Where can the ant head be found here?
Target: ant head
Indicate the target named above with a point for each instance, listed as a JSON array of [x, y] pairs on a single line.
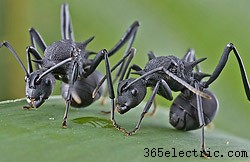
[[131, 96], [37, 91]]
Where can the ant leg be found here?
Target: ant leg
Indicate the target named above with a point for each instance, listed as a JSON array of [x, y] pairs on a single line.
[[96, 61], [113, 68], [221, 65], [121, 73], [201, 121], [154, 109], [166, 92], [151, 56], [128, 36], [36, 55], [35, 37], [137, 70], [145, 110], [111, 93], [66, 25], [32, 50], [68, 99], [126, 64]]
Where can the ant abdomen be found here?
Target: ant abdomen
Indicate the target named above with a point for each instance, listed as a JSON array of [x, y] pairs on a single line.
[[82, 90], [183, 112]]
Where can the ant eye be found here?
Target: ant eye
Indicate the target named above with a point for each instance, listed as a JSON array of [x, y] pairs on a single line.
[[134, 92], [48, 82], [26, 79]]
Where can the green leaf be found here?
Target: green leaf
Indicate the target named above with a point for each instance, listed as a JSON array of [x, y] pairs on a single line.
[[36, 135]]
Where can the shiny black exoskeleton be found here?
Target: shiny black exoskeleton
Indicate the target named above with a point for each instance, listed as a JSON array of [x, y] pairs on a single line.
[[165, 74], [193, 108], [67, 61], [183, 114], [82, 90]]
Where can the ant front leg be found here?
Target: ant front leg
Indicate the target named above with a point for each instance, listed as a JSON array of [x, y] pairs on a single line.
[[151, 56], [122, 71], [145, 110], [36, 55], [35, 37], [152, 113], [110, 83], [111, 94], [73, 78], [166, 92]]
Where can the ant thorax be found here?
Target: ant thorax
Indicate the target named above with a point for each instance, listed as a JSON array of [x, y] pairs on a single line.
[[60, 50], [172, 64]]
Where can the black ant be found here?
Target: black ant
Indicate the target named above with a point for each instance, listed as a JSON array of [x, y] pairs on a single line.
[[67, 61], [193, 108]]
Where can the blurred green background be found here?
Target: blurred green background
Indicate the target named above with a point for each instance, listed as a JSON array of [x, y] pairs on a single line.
[[167, 27]]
